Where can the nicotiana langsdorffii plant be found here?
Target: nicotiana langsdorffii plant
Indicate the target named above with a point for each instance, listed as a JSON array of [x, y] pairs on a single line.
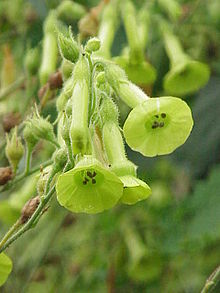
[[89, 170]]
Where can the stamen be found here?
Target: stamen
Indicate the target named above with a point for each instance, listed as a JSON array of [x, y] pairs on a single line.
[[163, 115], [89, 174]]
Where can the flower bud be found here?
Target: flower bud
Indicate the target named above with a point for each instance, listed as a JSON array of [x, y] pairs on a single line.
[[69, 48], [6, 174], [92, 45], [109, 111], [32, 60], [41, 183], [29, 208], [41, 128], [65, 130], [60, 158], [30, 139], [100, 78], [66, 69], [10, 120], [14, 150]]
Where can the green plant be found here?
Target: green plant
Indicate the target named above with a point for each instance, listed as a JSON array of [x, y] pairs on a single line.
[[88, 167]]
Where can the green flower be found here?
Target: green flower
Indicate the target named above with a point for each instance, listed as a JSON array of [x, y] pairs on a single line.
[[134, 189], [141, 73], [186, 77], [158, 126], [88, 188]]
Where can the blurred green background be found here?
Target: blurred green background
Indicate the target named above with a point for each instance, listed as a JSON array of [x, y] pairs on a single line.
[[168, 243]]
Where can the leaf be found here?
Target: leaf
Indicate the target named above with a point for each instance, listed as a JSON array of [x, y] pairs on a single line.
[[205, 206], [5, 268]]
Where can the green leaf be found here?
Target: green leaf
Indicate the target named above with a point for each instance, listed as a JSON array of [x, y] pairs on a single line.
[[5, 268], [205, 206]]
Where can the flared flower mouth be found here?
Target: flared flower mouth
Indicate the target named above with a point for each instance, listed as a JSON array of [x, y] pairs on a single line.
[[186, 78], [158, 126], [134, 190], [142, 73], [88, 188]]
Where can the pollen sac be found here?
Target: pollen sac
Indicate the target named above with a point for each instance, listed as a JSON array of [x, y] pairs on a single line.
[[89, 187], [158, 126]]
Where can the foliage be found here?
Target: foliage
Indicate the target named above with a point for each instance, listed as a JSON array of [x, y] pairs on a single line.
[[75, 147]]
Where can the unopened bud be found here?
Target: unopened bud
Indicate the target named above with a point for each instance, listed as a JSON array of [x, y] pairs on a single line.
[[41, 183], [10, 120], [6, 174], [55, 81], [30, 139], [92, 45], [66, 69], [29, 208], [69, 48], [41, 128], [65, 130], [109, 111], [60, 158], [14, 150], [100, 78]]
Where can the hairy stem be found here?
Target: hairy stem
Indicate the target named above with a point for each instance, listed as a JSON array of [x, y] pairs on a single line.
[[10, 232], [24, 175], [212, 281], [29, 223]]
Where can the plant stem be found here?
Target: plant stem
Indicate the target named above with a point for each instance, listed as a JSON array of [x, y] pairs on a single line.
[[10, 233], [23, 175], [11, 88], [30, 222], [212, 281]]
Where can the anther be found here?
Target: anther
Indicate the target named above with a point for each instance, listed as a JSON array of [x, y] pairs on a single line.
[[84, 182], [163, 115], [161, 124], [94, 174], [93, 181], [157, 116], [89, 174]]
